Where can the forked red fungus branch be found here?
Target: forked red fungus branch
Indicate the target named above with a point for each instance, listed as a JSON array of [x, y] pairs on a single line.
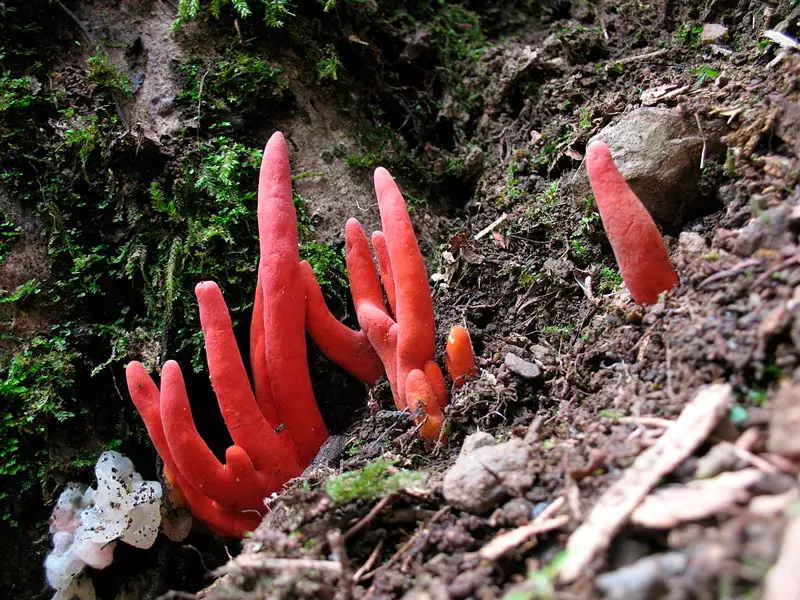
[[638, 246], [405, 343], [227, 497]]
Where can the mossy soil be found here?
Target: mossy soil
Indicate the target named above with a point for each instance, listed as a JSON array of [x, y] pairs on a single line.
[[128, 171]]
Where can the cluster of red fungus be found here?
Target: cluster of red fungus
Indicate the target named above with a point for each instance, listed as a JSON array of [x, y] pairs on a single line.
[[275, 425]]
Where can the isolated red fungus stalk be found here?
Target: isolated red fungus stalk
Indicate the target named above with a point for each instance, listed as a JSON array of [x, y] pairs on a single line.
[[638, 246], [459, 356], [405, 337]]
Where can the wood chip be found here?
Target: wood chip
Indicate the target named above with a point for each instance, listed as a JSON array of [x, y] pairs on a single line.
[[782, 578], [670, 506], [615, 506], [783, 40]]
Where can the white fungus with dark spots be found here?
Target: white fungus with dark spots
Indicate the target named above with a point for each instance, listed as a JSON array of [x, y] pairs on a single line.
[[86, 524]]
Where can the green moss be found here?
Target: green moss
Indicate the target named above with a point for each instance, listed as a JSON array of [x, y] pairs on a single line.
[[238, 82], [328, 66], [375, 480], [104, 74], [609, 280], [15, 93]]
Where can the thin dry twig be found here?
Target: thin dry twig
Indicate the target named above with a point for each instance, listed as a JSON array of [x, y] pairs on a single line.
[[630, 59], [496, 223], [258, 562], [732, 272], [370, 516], [339, 552], [77, 22], [764, 277], [646, 421], [411, 541], [505, 542], [373, 557]]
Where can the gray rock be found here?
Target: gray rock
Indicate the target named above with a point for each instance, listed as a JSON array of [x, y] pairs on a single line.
[[713, 33], [784, 426], [522, 367], [479, 439], [692, 243], [658, 152], [483, 478]]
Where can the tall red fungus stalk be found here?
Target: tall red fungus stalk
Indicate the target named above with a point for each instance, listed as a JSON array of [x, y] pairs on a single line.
[[638, 247]]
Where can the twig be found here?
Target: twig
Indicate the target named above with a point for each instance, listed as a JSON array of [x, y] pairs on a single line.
[[756, 461], [613, 509], [370, 561], [339, 553], [703, 137], [200, 99], [496, 223], [550, 509], [370, 516], [411, 541], [631, 59], [263, 563], [761, 279], [510, 540], [732, 272], [77, 22], [646, 421]]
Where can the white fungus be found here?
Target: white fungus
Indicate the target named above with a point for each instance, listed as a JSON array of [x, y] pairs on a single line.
[[86, 524]]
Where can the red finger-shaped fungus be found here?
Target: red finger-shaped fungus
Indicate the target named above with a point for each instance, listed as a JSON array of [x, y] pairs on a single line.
[[349, 349], [416, 338], [146, 396], [284, 304], [638, 246], [248, 427], [404, 344], [458, 356], [236, 484]]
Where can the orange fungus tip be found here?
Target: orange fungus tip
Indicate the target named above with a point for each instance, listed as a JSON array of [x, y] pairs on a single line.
[[459, 357]]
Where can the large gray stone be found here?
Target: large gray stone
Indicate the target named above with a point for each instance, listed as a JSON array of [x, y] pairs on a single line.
[[658, 152], [484, 477]]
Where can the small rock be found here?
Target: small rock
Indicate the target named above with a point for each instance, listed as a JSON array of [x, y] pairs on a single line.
[[692, 242], [658, 152], [521, 367], [784, 430], [713, 33], [474, 161], [481, 479], [479, 439], [771, 231], [775, 322]]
